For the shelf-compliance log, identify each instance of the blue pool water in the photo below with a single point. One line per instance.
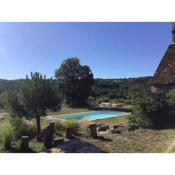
(90, 115)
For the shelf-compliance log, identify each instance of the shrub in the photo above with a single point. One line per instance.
(22, 128)
(62, 125)
(102, 99)
(153, 111)
(91, 101)
(7, 137)
(74, 125)
(59, 126)
(139, 120)
(171, 98)
(128, 102)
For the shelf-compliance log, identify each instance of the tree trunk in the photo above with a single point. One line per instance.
(38, 128)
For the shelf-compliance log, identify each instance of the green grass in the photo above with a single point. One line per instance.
(4, 123)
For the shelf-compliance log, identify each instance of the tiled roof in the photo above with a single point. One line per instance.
(165, 73)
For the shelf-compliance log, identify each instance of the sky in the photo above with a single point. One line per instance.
(112, 50)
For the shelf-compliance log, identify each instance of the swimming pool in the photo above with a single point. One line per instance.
(90, 115)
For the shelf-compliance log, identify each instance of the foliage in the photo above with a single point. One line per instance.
(76, 81)
(74, 125)
(10, 102)
(37, 94)
(102, 99)
(171, 98)
(22, 128)
(153, 110)
(91, 101)
(59, 125)
(171, 103)
(6, 137)
(84, 126)
(125, 89)
(62, 125)
(33, 97)
(1, 103)
(119, 88)
(8, 85)
(13, 129)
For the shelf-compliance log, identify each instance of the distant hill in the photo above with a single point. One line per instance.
(101, 86)
(119, 88)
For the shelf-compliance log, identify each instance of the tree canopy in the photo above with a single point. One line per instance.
(33, 97)
(77, 81)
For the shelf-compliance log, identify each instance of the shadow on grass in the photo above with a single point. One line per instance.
(76, 145)
(16, 150)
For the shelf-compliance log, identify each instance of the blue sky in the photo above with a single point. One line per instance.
(112, 50)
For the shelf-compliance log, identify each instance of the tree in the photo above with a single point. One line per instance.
(77, 81)
(37, 95)
(34, 96)
(153, 110)
(10, 102)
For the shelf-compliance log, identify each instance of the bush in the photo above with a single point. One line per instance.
(91, 101)
(22, 128)
(139, 120)
(128, 102)
(10, 101)
(171, 98)
(7, 137)
(74, 125)
(59, 126)
(153, 111)
(62, 125)
(102, 99)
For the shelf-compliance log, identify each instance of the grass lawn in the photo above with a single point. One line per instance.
(138, 141)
